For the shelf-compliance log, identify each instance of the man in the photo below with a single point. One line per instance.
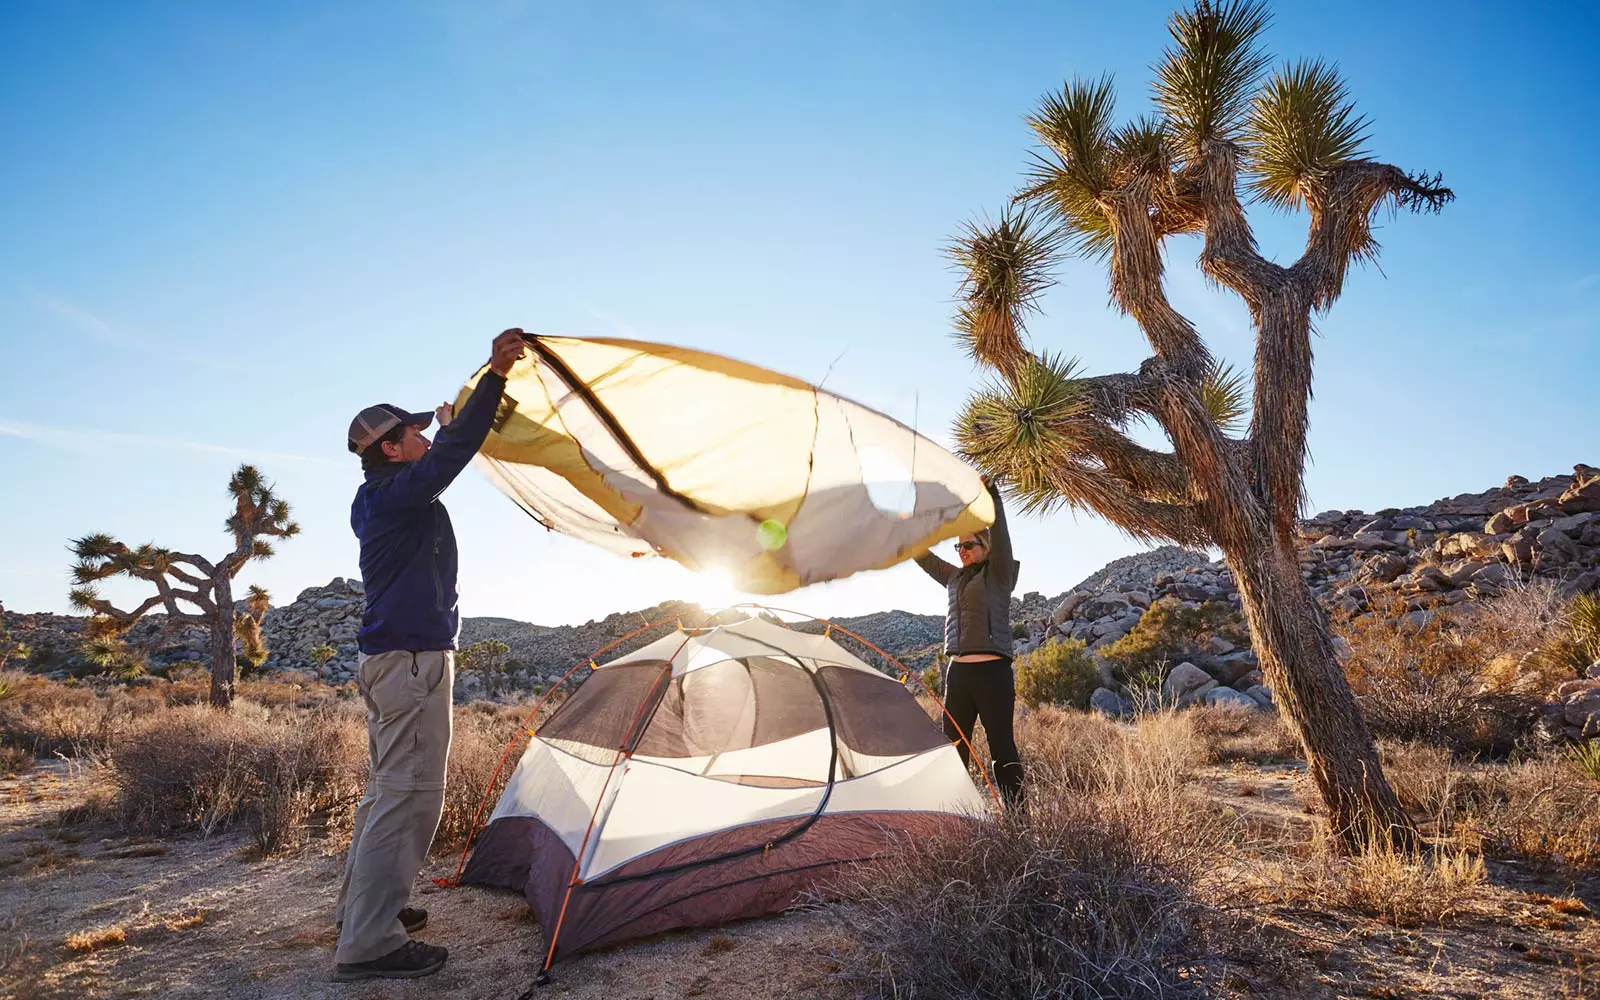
(407, 666)
(979, 685)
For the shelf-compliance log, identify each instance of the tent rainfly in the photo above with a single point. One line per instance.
(713, 775)
(651, 450)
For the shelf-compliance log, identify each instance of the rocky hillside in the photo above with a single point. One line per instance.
(1394, 562)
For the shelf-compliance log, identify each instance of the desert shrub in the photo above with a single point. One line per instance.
(1060, 672)
(1229, 733)
(1081, 897)
(1100, 889)
(1019, 630)
(933, 677)
(192, 767)
(483, 731)
(1532, 808)
(14, 760)
(1169, 633)
(1427, 684)
(76, 719)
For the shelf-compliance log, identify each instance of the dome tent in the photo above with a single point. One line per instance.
(713, 775)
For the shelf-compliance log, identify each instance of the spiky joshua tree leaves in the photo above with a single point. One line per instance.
(1114, 194)
(191, 589)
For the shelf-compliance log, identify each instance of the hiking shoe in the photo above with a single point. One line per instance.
(412, 960)
(412, 918)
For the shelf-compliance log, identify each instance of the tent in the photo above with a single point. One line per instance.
(714, 774)
(652, 450)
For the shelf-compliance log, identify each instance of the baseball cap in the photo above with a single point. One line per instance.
(376, 421)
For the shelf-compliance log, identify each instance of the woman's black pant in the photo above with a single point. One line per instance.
(983, 691)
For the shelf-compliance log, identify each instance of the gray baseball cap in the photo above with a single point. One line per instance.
(376, 421)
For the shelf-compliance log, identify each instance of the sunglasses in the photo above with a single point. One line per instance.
(964, 546)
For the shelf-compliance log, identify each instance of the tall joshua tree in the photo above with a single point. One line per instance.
(203, 586)
(1114, 194)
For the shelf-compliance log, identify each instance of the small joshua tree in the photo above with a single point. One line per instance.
(322, 654)
(188, 580)
(488, 657)
(1116, 194)
(10, 648)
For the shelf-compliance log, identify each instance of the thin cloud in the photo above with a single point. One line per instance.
(78, 437)
(118, 336)
(620, 326)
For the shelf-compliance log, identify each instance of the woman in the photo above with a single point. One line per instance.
(977, 639)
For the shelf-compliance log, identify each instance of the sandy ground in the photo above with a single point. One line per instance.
(199, 918)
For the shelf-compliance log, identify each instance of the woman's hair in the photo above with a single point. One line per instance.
(983, 537)
(372, 455)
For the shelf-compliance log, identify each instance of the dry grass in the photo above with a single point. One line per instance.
(1231, 734)
(482, 732)
(192, 767)
(14, 760)
(1429, 685)
(97, 939)
(1534, 809)
(1100, 889)
(1401, 888)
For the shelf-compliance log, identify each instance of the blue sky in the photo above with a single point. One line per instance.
(228, 227)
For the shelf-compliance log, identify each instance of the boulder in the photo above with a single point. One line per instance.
(1518, 550)
(1068, 605)
(1262, 696)
(1187, 682)
(1384, 567)
(1555, 547)
(1580, 498)
(1373, 541)
(1104, 606)
(1108, 703)
(1574, 524)
(1230, 668)
(1226, 696)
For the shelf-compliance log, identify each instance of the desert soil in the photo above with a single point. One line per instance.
(199, 918)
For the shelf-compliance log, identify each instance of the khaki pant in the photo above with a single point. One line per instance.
(408, 734)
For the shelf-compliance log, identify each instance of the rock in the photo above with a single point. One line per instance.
(1185, 680)
(1518, 551)
(1594, 671)
(1501, 523)
(1104, 606)
(1384, 567)
(1262, 696)
(1575, 523)
(1429, 578)
(1108, 703)
(1219, 646)
(1068, 605)
(1581, 498)
(1226, 696)
(1555, 547)
(1373, 541)
(1230, 668)
(1140, 598)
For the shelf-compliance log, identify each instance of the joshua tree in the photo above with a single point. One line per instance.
(1115, 194)
(190, 580)
(488, 657)
(320, 655)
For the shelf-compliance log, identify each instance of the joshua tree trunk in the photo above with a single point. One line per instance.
(224, 662)
(1294, 645)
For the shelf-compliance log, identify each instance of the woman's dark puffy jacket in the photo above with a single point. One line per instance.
(978, 619)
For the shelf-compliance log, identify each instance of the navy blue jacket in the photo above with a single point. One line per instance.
(408, 549)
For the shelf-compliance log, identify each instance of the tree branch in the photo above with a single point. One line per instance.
(1230, 256)
(1342, 205)
(198, 562)
(1096, 488)
(1136, 278)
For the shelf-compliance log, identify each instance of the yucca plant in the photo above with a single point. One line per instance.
(1224, 131)
(191, 589)
(1586, 756)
